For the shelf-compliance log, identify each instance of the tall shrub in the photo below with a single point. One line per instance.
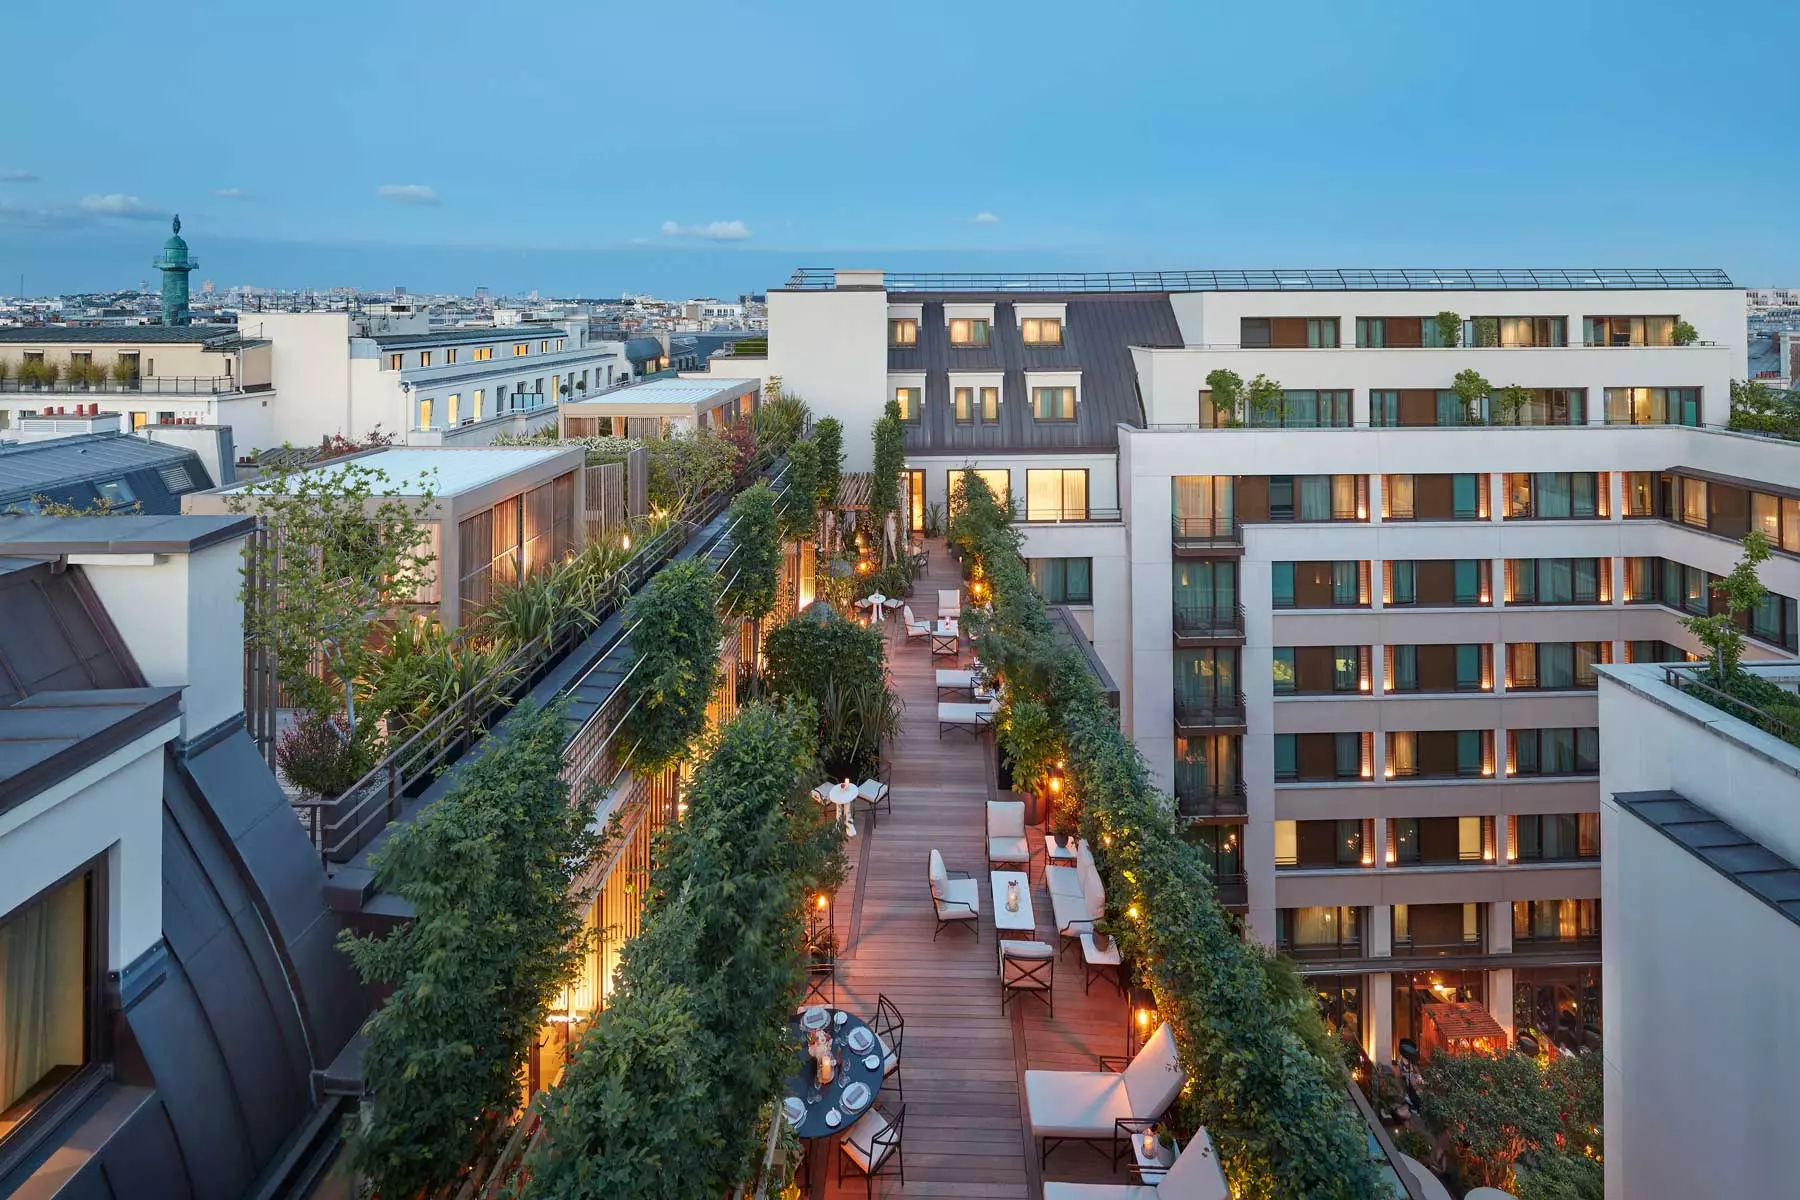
(753, 572)
(799, 499)
(487, 870)
(838, 666)
(675, 636)
(664, 1095)
(828, 435)
(884, 481)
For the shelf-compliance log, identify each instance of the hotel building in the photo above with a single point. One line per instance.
(1356, 623)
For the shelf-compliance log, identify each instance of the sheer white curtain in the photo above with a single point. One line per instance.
(42, 1014)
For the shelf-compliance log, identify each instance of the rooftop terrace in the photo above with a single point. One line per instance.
(1306, 279)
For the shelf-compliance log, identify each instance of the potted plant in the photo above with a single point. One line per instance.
(1103, 934)
(1683, 334)
(1449, 328)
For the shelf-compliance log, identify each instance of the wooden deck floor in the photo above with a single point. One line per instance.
(963, 1061)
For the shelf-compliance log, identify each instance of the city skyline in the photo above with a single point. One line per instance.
(1166, 136)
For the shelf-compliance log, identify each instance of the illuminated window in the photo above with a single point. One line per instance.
(476, 413)
(450, 408)
(559, 343)
(521, 349)
(968, 331)
(998, 482)
(1056, 494)
(910, 400)
(425, 413)
(1053, 403)
(483, 353)
(903, 331)
(1042, 331)
(48, 950)
(990, 404)
(449, 357)
(424, 358)
(394, 361)
(962, 400)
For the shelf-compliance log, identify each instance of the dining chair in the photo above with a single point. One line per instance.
(890, 1030)
(873, 794)
(873, 1146)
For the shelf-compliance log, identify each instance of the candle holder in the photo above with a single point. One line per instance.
(1012, 895)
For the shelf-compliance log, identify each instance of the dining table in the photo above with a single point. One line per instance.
(815, 1128)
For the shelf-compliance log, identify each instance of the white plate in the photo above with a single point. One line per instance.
(834, 1118)
(861, 1039)
(839, 1017)
(794, 1110)
(855, 1096)
(814, 1018)
(873, 1062)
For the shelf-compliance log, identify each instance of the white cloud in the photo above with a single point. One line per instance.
(984, 218)
(19, 216)
(229, 193)
(408, 193)
(117, 204)
(17, 177)
(712, 231)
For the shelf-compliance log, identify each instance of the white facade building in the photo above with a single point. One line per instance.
(1354, 638)
(1700, 812)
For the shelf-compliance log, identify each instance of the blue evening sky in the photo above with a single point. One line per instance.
(589, 148)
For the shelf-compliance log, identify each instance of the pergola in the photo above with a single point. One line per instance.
(1459, 1026)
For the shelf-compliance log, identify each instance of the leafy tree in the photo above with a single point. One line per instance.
(890, 458)
(1509, 402)
(828, 435)
(1758, 408)
(1487, 331)
(675, 635)
(124, 371)
(1449, 328)
(1489, 1110)
(664, 1096)
(753, 572)
(685, 467)
(1561, 1177)
(1227, 394)
(1473, 389)
(488, 870)
(799, 499)
(346, 554)
(100, 507)
(1258, 402)
(1742, 591)
(837, 665)
(1683, 333)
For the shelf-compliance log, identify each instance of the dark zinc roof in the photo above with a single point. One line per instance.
(458, 335)
(1098, 333)
(100, 334)
(44, 739)
(1747, 863)
(71, 470)
(1305, 279)
(49, 536)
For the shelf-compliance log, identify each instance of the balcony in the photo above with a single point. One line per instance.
(1350, 948)
(1208, 622)
(155, 385)
(1198, 798)
(1207, 535)
(1233, 890)
(1208, 714)
(1068, 515)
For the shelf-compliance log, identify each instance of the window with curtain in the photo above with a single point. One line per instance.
(1344, 583)
(962, 404)
(1555, 920)
(998, 481)
(1653, 406)
(1042, 331)
(1556, 837)
(1556, 751)
(1347, 755)
(1403, 581)
(1398, 498)
(903, 332)
(1206, 586)
(1056, 494)
(911, 401)
(1346, 668)
(1286, 678)
(1321, 332)
(968, 331)
(1281, 584)
(1693, 501)
(48, 1000)
(1556, 580)
(1207, 679)
(1205, 498)
(1554, 665)
(1315, 497)
(990, 405)
(1640, 493)
(1773, 620)
(1403, 669)
(1371, 332)
(1320, 928)
(1063, 580)
(1306, 409)
(1053, 403)
(1555, 495)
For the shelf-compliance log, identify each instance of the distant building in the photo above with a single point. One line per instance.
(175, 266)
(1700, 818)
(1772, 297)
(661, 406)
(96, 467)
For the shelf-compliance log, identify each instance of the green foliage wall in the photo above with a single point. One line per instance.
(675, 634)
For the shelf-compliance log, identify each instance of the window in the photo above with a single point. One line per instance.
(1434, 498)
(1063, 580)
(543, 345)
(1628, 331)
(480, 393)
(1462, 667)
(424, 358)
(1524, 331)
(1056, 494)
(962, 402)
(1206, 595)
(1559, 495)
(49, 979)
(1437, 929)
(1209, 767)
(452, 407)
(1342, 584)
(1440, 754)
(1556, 837)
(1053, 403)
(559, 343)
(990, 404)
(1558, 580)
(998, 482)
(1693, 501)
(1315, 497)
(450, 357)
(1775, 620)
(1640, 489)
(1553, 752)
(1042, 331)
(1305, 409)
(484, 353)
(394, 361)
(1653, 406)
(425, 412)
(910, 400)
(521, 349)
(1656, 651)
(1288, 333)
(1206, 682)
(115, 493)
(1396, 332)
(1315, 845)
(903, 332)
(1321, 670)
(1321, 757)
(1420, 841)
(968, 331)
(1554, 666)
(1555, 920)
(1319, 932)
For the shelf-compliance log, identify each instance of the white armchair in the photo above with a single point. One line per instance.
(955, 896)
(1077, 896)
(1008, 847)
(1097, 1106)
(1194, 1175)
(915, 628)
(949, 602)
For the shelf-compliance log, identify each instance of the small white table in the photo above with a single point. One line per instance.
(1022, 921)
(1059, 856)
(1153, 1166)
(844, 795)
(1095, 961)
(946, 637)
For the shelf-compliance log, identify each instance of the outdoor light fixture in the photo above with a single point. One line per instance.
(625, 542)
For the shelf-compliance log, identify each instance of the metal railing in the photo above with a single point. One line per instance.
(1066, 516)
(1197, 798)
(1693, 678)
(151, 385)
(1215, 530)
(1304, 279)
(1209, 712)
(1209, 620)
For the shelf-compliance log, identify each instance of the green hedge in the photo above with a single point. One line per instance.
(674, 664)
(1276, 1110)
(666, 1095)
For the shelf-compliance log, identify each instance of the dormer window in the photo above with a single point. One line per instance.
(903, 332)
(969, 331)
(424, 358)
(1042, 331)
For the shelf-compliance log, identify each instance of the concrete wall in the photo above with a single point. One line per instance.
(1701, 979)
(309, 363)
(830, 349)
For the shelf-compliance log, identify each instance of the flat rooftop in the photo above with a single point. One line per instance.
(1302, 279)
(677, 393)
(453, 470)
(103, 334)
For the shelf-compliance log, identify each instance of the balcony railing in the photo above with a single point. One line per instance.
(1439, 773)
(1556, 945)
(1208, 712)
(1694, 679)
(1207, 531)
(153, 385)
(1067, 516)
(1209, 620)
(1317, 950)
(1416, 947)
(1198, 798)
